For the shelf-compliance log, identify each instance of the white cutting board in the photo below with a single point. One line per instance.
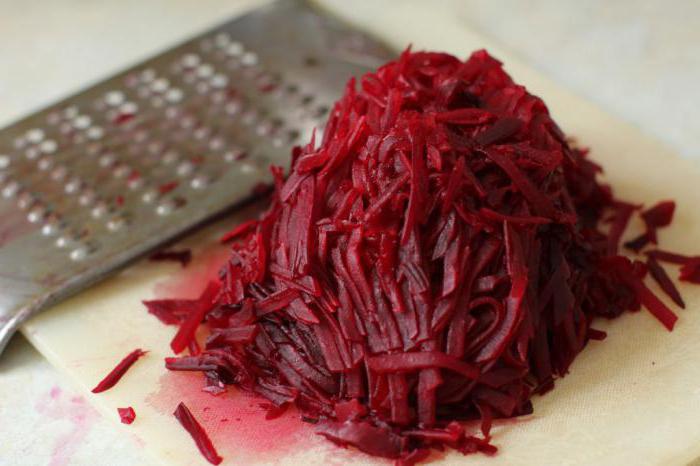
(632, 399)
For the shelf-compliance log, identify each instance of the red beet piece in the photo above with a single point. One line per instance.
(654, 218)
(184, 256)
(188, 327)
(200, 437)
(664, 281)
(118, 372)
(439, 255)
(126, 415)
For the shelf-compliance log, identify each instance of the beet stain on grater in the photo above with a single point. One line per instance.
(105, 176)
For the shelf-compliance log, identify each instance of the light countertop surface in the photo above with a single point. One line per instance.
(638, 59)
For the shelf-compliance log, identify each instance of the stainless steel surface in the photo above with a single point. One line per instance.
(99, 179)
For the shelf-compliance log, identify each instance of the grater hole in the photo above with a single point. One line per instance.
(121, 170)
(59, 173)
(143, 92)
(149, 196)
(95, 132)
(200, 182)
(107, 160)
(73, 185)
(70, 112)
(249, 59)
(32, 152)
(135, 183)
(147, 75)
(170, 157)
(36, 214)
(4, 161)
(160, 85)
(35, 135)
(157, 102)
(116, 223)
(52, 224)
(99, 210)
(48, 147)
(202, 133)
(114, 98)
(45, 163)
(250, 116)
(63, 241)
(185, 168)
(53, 118)
(155, 147)
(65, 128)
(191, 60)
(10, 189)
(218, 98)
(222, 40)
(174, 95)
(204, 71)
(234, 107)
(93, 149)
(218, 81)
(82, 122)
(87, 197)
(234, 49)
(234, 155)
(80, 253)
(247, 168)
(216, 143)
(25, 200)
(202, 88)
(165, 208)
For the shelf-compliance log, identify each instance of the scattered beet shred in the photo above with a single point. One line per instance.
(200, 437)
(127, 415)
(438, 257)
(118, 372)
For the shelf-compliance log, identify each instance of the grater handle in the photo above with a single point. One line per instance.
(10, 322)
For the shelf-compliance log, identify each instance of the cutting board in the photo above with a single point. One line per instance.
(631, 399)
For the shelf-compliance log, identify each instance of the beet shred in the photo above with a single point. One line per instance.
(200, 437)
(126, 415)
(118, 372)
(438, 256)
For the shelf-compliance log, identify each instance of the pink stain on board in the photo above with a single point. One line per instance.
(58, 406)
(235, 421)
(189, 282)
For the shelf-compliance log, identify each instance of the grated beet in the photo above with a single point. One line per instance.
(118, 372)
(438, 256)
(200, 437)
(126, 415)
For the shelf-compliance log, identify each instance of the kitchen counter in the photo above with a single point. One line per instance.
(637, 59)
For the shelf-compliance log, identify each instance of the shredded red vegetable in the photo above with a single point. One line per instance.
(200, 437)
(127, 415)
(118, 372)
(183, 256)
(438, 256)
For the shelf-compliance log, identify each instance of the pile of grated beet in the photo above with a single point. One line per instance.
(440, 256)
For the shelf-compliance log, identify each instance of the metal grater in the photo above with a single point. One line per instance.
(101, 178)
